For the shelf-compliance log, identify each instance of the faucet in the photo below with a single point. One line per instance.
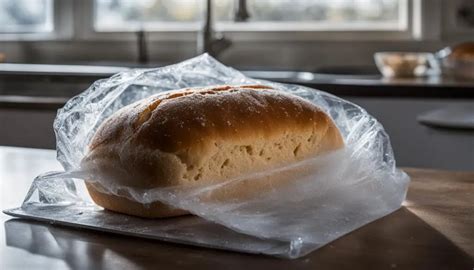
(241, 14)
(142, 47)
(213, 42)
(208, 40)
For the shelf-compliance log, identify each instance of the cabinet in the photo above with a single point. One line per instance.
(415, 144)
(27, 128)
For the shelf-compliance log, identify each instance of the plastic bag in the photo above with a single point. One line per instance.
(330, 195)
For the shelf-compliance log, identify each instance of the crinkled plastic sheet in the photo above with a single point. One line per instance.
(330, 195)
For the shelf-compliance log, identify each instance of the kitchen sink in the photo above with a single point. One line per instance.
(319, 75)
(306, 77)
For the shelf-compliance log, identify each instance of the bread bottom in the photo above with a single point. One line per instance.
(129, 207)
(234, 192)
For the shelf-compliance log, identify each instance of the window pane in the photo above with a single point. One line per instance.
(134, 14)
(117, 15)
(21, 16)
(327, 12)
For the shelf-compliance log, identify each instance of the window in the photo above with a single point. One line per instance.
(128, 15)
(324, 14)
(26, 16)
(175, 19)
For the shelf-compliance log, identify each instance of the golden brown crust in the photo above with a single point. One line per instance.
(181, 119)
(203, 136)
(463, 51)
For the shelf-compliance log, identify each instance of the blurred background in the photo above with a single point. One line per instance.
(410, 63)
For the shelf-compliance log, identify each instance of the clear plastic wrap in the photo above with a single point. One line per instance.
(330, 195)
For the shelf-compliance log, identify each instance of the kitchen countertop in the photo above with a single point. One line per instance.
(378, 88)
(433, 230)
(373, 85)
(48, 87)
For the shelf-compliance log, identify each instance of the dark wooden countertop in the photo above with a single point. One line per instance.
(433, 230)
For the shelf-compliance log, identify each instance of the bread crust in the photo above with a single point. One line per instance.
(203, 136)
(463, 52)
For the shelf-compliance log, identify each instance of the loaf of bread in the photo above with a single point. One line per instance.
(203, 136)
(462, 52)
